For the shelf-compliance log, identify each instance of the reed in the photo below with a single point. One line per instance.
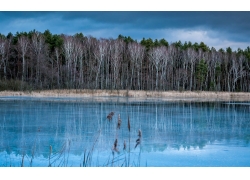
(129, 141)
(88, 156)
(69, 145)
(58, 156)
(115, 146)
(121, 158)
(124, 145)
(114, 149)
(32, 153)
(22, 163)
(50, 152)
(110, 116)
(138, 142)
(119, 122)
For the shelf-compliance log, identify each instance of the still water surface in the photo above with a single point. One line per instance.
(76, 132)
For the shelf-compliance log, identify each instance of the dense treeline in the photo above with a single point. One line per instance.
(36, 60)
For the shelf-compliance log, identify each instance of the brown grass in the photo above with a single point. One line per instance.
(164, 95)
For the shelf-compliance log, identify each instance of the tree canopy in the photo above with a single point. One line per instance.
(43, 60)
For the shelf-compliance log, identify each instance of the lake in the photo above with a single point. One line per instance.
(74, 132)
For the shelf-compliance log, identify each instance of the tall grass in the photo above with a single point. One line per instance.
(14, 85)
(120, 152)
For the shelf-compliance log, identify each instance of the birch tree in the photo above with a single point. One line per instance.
(39, 49)
(116, 58)
(136, 52)
(158, 58)
(100, 53)
(89, 73)
(237, 70)
(191, 53)
(23, 44)
(4, 48)
(79, 53)
(68, 49)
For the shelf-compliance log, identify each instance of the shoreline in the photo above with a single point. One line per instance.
(163, 95)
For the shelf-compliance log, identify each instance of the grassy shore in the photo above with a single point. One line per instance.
(165, 95)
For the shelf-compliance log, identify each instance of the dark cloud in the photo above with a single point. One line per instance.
(231, 25)
(147, 19)
(11, 15)
(234, 24)
(163, 19)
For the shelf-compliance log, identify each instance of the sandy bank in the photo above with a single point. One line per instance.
(164, 95)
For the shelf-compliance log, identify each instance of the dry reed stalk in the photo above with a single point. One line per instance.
(50, 152)
(138, 141)
(109, 117)
(69, 145)
(129, 140)
(50, 149)
(139, 133)
(22, 160)
(119, 122)
(115, 146)
(89, 156)
(124, 145)
(128, 124)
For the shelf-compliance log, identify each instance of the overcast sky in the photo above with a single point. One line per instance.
(219, 29)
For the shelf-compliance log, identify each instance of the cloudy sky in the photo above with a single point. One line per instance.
(219, 29)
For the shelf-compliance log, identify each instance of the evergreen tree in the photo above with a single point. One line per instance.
(201, 72)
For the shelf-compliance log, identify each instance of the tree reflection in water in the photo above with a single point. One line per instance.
(33, 128)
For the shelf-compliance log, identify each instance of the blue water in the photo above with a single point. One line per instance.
(75, 132)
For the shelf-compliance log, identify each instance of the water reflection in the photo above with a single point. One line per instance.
(30, 126)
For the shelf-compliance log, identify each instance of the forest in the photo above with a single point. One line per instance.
(38, 61)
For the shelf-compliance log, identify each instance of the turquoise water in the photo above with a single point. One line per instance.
(41, 132)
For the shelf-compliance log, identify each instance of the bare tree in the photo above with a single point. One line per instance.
(39, 49)
(77, 61)
(158, 57)
(68, 49)
(79, 51)
(23, 44)
(192, 57)
(116, 58)
(4, 48)
(100, 53)
(237, 69)
(214, 64)
(136, 52)
(89, 72)
(173, 56)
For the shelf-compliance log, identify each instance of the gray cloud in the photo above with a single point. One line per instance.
(226, 26)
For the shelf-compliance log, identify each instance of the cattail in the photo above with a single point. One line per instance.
(115, 145)
(50, 152)
(22, 160)
(138, 141)
(50, 149)
(139, 133)
(119, 122)
(128, 124)
(124, 145)
(110, 116)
